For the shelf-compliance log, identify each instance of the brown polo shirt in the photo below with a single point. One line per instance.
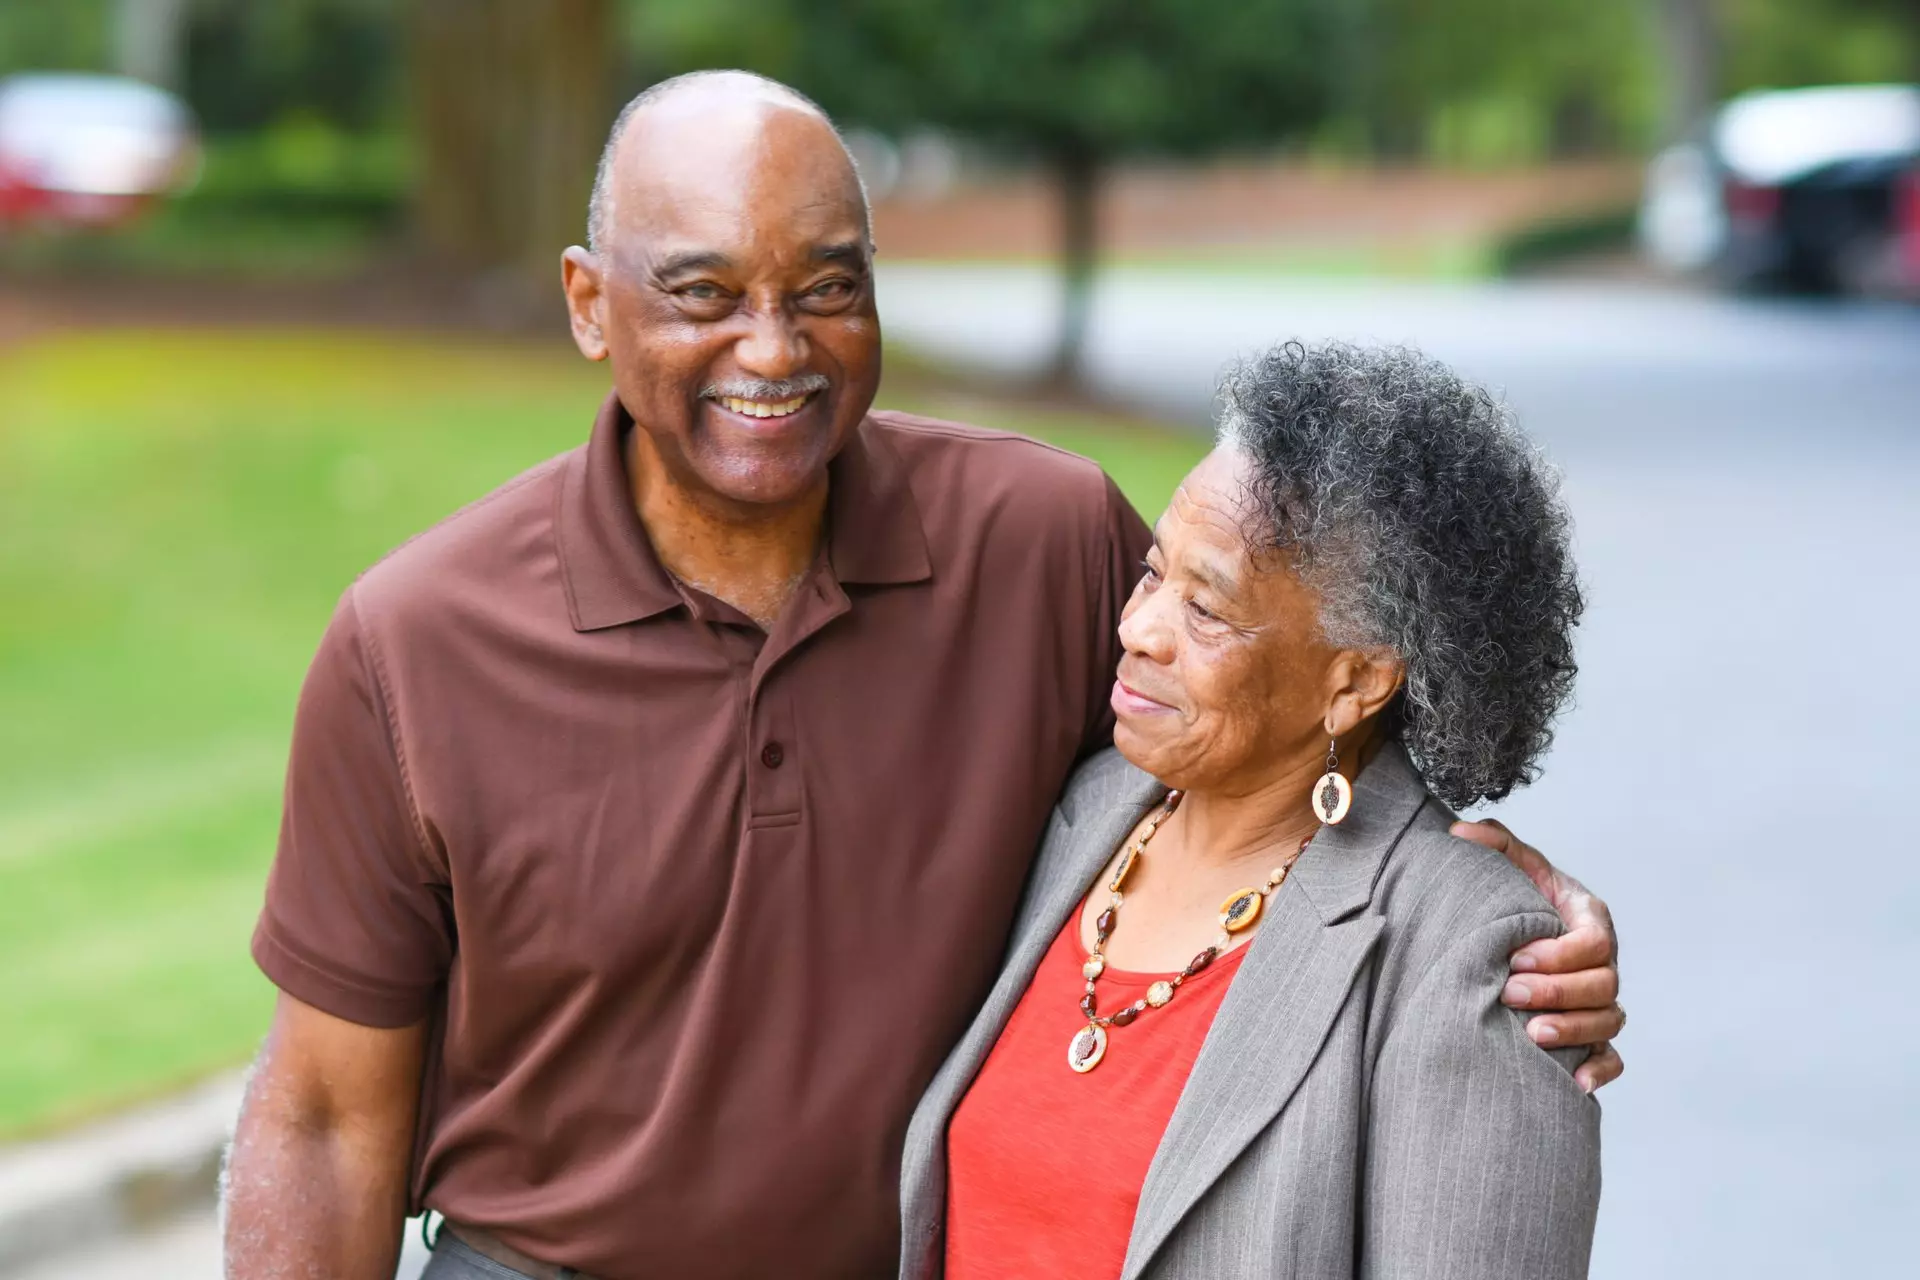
(695, 911)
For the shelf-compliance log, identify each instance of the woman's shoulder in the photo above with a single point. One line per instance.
(1436, 891)
(1102, 781)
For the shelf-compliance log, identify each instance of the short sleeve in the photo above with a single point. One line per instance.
(357, 921)
(1124, 542)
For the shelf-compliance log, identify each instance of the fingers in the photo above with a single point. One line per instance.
(1602, 1067)
(1587, 989)
(1588, 947)
(1490, 832)
(1494, 835)
(1586, 1026)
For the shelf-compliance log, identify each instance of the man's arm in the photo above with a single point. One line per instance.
(1576, 975)
(316, 1182)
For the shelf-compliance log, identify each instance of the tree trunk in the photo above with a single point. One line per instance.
(1690, 50)
(150, 39)
(1076, 176)
(511, 106)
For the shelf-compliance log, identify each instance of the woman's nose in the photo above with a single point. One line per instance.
(1143, 628)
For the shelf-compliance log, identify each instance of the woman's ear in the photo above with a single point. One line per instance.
(1364, 681)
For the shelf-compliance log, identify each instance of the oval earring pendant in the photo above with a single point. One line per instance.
(1332, 797)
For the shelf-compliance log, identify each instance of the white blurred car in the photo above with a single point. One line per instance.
(1805, 188)
(90, 150)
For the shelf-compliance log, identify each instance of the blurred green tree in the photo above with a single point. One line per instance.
(1077, 84)
(1490, 82)
(73, 35)
(1783, 43)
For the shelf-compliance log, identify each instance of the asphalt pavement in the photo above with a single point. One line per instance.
(1745, 477)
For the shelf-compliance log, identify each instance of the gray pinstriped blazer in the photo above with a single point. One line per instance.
(1364, 1105)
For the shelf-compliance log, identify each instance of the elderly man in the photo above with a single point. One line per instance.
(654, 825)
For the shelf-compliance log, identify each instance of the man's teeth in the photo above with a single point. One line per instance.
(761, 409)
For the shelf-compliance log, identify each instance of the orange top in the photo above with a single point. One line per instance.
(1044, 1165)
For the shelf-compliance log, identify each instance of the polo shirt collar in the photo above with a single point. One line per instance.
(612, 576)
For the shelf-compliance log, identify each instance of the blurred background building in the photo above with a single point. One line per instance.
(278, 288)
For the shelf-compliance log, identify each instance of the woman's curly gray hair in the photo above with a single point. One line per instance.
(1430, 526)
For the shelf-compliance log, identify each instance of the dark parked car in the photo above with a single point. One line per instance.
(1808, 189)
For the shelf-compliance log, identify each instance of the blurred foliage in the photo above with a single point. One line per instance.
(1479, 82)
(1078, 78)
(248, 64)
(54, 35)
(1784, 43)
(1460, 81)
(1558, 239)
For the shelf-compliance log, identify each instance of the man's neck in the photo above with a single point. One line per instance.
(752, 559)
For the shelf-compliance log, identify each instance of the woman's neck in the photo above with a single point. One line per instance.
(1229, 825)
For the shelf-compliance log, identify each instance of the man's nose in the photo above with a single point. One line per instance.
(774, 348)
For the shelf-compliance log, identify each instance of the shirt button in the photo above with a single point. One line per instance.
(771, 755)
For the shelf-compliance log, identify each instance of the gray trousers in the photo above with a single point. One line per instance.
(452, 1260)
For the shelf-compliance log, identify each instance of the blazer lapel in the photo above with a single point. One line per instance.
(1074, 851)
(1291, 986)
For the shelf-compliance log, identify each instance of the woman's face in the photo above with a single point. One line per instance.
(1225, 676)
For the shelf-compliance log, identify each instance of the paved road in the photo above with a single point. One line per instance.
(1747, 481)
(1746, 477)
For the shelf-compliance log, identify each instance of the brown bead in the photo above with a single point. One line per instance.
(1125, 1016)
(1104, 925)
(1199, 962)
(1088, 1004)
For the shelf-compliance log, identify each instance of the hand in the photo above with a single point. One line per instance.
(1576, 974)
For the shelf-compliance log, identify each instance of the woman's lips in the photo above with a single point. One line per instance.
(1130, 702)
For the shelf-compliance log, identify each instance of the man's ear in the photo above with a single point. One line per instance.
(1364, 682)
(586, 301)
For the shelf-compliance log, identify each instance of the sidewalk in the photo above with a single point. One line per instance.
(188, 1249)
(130, 1198)
(133, 1173)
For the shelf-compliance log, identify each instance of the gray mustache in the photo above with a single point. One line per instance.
(759, 389)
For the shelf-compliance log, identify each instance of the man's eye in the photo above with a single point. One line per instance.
(1148, 574)
(832, 289)
(1201, 611)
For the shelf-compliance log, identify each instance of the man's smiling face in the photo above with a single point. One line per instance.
(734, 296)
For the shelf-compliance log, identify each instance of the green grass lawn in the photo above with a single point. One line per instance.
(178, 513)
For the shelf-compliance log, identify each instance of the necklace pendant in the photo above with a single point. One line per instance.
(1088, 1047)
(1241, 910)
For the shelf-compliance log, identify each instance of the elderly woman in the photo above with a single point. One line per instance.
(1250, 1024)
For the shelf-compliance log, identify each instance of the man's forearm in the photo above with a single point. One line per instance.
(306, 1197)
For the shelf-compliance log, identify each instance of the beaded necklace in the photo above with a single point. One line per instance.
(1237, 914)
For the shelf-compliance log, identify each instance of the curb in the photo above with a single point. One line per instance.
(122, 1175)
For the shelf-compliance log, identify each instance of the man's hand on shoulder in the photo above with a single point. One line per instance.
(1576, 976)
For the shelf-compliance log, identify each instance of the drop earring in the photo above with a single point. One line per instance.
(1333, 794)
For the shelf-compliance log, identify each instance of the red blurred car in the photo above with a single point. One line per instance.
(1815, 189)
(89, 150)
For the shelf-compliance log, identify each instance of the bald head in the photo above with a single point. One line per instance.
(681, 121)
